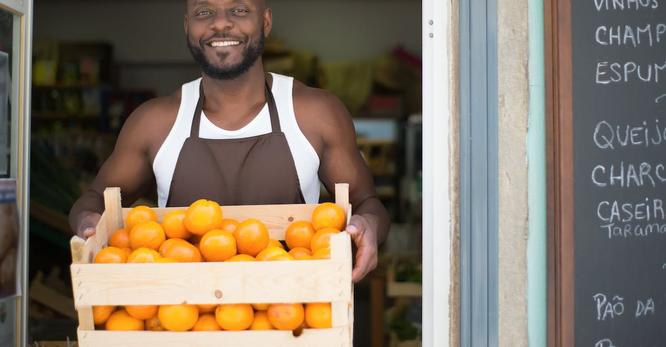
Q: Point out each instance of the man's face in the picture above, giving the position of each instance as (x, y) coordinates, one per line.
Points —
(226, 37)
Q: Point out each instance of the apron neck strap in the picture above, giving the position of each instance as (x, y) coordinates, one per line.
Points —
(270, 100)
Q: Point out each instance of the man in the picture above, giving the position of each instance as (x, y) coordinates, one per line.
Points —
(239, 135)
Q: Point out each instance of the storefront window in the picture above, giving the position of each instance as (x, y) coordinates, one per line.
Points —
(6, 35)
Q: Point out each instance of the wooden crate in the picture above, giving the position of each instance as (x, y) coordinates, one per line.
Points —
(215, 283)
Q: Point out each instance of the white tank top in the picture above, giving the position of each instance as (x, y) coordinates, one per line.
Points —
(305, 156)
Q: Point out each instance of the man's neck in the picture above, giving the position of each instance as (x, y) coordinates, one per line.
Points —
(247, 89)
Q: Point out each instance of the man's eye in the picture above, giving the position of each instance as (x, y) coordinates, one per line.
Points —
(240, 11)
(204, 12)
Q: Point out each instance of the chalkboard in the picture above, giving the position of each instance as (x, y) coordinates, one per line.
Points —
(618, 124)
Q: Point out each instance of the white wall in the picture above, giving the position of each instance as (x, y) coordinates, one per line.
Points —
(151, 31)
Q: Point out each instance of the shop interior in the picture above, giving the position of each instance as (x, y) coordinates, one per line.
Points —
(94, 62)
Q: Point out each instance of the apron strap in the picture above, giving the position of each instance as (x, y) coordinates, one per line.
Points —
(196, 120)
(272, 110)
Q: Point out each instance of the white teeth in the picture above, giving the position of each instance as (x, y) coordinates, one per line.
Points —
(224, 43)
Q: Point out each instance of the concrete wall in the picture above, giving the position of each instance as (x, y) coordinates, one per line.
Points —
(148, 34)
(513, 211)
(454, 87)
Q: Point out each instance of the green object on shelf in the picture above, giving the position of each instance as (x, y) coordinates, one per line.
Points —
(408, 271)
(403, 328)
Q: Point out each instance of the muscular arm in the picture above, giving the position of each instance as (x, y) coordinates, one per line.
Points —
(331, 128)
(341, 161)
(128, 167)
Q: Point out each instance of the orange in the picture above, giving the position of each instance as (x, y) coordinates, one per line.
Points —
(180, 251)
(139, 214)
(242, 257)
(234, 316)
(121, 321)
(102, 313)
(128, 251)
(286, 316)
(260, 307)
(318, 315)
(251, 237)
(173, 225)
(217, 245)
(144, 255)
(229, 225)
(261, 321)
(202, 216)
(147, 234)
(120, 238)
(178, 317)
(111, 255)
(206, 322)
(301, 253)
(321, 238)
(154, 324)
(275, 243)
(328, 215)
(142, 312)
(322, 253)
(206, 308)
(270, 252)
(299, 234)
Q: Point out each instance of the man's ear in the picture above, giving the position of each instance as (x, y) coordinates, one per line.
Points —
(268, 21)
(186, 22)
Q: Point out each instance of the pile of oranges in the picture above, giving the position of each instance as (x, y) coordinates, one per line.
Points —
(200, 233)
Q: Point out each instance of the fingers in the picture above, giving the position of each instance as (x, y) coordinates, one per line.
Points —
(366, 244)
(356, 228)
(88, 232)
(366, 261)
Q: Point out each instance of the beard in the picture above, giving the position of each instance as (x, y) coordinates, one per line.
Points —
(250, 56)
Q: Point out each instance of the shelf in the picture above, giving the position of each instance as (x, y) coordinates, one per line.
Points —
(70, 86)
(400, 289)
(55, 116)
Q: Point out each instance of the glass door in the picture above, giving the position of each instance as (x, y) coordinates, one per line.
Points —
(15, 47)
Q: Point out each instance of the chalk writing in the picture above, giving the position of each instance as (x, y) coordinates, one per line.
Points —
(604, 343)
(621, 5)
(609, 136)
(608, 309)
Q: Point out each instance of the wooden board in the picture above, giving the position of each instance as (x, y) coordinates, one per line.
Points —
(335, 337)
(211, 283)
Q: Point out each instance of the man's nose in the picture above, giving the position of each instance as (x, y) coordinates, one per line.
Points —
(222, 21)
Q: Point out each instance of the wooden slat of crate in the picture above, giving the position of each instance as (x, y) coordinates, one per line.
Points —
(211, 283)
(334, 337)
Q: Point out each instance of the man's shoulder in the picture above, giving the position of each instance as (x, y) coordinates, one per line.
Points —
(156, 113)
(321, 115)
(158, 106)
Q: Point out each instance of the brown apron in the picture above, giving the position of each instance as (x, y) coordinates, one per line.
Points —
(248, 171)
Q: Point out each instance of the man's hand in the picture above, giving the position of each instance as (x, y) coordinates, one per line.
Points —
(87, 224)
(363, 230)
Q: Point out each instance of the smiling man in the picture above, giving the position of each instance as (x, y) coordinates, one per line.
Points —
(239, 135)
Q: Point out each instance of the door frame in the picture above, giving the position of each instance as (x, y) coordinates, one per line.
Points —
(20, 133)
(437, 169)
